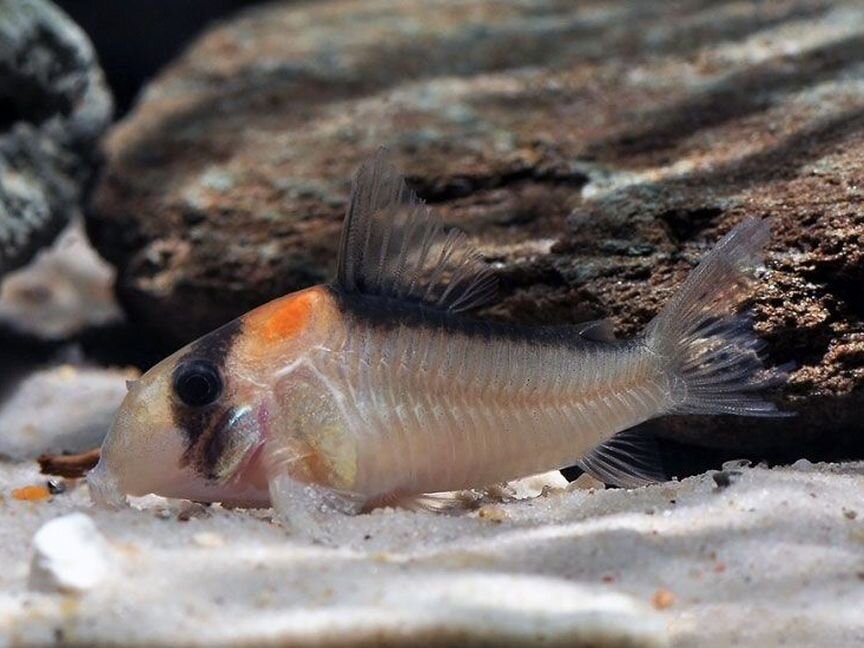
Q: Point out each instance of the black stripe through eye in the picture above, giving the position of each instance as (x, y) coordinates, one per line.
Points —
(197, 383)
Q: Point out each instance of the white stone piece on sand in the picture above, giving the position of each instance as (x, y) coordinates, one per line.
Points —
(62, 408)
(69, 555)
(535, 485)
(773, 558)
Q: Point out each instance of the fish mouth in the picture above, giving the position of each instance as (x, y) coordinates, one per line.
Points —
(104, 488)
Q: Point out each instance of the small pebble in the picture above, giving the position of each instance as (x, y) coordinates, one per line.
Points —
(663, 599)
(803, 465)
(209, 540)
(191, 510)
(725, 478)
(56, 486)
(494, 514)
(586, 482)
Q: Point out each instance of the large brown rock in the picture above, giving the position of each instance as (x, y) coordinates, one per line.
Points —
(594, 150)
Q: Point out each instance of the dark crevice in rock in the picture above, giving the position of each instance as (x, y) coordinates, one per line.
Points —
(455, 187)
(685, 224)
(850, 290)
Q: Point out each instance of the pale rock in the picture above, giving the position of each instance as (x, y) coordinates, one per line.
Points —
(70, 555)
(64, 290)
(533, 486)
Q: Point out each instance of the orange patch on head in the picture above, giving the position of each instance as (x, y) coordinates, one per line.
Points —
(286, 317)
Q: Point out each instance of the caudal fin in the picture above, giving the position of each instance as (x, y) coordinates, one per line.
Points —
(711, 350)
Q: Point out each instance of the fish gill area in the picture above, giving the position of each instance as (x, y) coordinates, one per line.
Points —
(593, 151)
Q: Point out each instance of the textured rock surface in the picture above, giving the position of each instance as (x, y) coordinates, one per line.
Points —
(53, 107)
(594, 150)
(773, 559)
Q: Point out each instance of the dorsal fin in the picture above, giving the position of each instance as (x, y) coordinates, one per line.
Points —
(394, 245)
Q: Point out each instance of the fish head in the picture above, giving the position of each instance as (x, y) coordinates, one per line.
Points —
(195, 425)
(185, 429)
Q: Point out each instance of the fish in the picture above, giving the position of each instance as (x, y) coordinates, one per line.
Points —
(381, 388)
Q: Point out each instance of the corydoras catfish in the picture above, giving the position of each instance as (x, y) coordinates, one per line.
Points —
(377, 389)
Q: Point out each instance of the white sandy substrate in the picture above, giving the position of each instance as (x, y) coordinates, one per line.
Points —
(776, 558)
(61, 408)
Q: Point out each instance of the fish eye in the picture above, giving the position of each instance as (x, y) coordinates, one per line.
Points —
(197, 383)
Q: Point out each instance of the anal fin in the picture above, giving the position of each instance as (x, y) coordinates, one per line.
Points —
(629, 459)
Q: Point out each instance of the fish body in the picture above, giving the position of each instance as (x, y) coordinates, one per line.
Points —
(377, 388)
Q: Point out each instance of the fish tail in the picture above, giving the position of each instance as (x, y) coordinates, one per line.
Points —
(711, 352)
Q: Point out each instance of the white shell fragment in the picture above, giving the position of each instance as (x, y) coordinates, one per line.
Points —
(69, 555)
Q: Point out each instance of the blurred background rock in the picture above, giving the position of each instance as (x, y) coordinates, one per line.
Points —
(135, 38)
(594, 150)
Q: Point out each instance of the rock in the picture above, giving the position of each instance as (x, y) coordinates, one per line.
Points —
(53, 107)
(63, 292)
(60, 409)
(534, 486)
(593, 151)
(678, 564)
(69, 555)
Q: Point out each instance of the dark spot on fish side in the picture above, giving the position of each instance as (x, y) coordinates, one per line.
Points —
(686, 224)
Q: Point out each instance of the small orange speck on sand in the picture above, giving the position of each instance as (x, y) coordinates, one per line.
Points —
(33, 493)
(663, 599)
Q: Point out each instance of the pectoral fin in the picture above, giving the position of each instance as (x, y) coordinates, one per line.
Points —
(305, 509)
